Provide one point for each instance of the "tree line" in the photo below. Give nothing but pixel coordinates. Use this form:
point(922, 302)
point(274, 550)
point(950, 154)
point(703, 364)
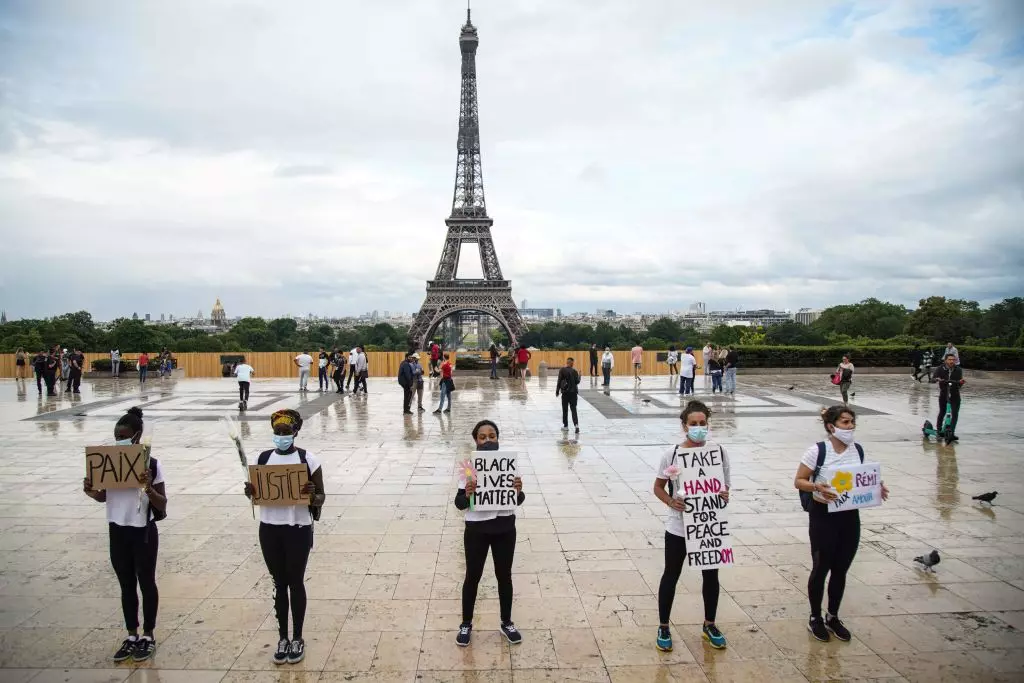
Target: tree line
point(871, 322)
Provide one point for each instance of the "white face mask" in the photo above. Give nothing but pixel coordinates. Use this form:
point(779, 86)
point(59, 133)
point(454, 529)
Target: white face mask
point(844, 435)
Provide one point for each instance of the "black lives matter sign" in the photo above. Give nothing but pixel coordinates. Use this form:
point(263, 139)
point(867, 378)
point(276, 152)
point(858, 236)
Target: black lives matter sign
point(495, 474)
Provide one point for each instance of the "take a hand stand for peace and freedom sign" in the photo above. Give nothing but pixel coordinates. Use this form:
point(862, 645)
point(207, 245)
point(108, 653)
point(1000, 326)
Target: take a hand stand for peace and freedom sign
point(286, 534)
point(494, 530)
point(695, 425)
point(835, 536)
point(132, 514)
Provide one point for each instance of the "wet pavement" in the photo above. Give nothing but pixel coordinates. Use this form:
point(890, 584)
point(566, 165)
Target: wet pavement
point(385, 575)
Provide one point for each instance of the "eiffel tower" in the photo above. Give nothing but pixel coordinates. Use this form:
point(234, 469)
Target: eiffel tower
point(446, 294)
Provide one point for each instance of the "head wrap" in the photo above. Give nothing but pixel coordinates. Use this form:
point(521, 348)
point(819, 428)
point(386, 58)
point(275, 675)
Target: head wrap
point(288, 416)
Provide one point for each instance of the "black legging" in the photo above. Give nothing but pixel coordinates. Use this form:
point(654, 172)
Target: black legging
point(351, 375)
point(243, 391)
point(675, 558)
point(569, 401)
point(834, 540)
point(503, 550)
point(133, 555)
point(322, 378)
point(339, 379)
point(286, 551)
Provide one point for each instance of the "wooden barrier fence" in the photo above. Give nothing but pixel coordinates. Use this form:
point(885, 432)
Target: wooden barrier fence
point(382, 363)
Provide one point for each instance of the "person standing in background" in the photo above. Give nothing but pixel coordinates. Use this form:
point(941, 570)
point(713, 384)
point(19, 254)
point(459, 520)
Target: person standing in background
point(568, 387)
point(523, 357)
point(435, 358)
point(362, 370)
point(339, 364)
point(446, 386)
point(39, 366)
point(322, 361)
point(75, 362)
point(637, 356)
point(353, 356)
point(493, 353)
point(607, 365)
point(706, 354)
point(143, 367)
point(593, 360)
point(20, 363)
point(673, 363)
point(687, 373)
point(303, 362)
point(732, 361)
point(115, 363)
point(417, 371)
point(407, 380)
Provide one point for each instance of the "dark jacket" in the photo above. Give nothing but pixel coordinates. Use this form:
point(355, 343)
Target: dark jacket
point(568, 381)
point(406, 376)
point(732, 359)
point(949, 380)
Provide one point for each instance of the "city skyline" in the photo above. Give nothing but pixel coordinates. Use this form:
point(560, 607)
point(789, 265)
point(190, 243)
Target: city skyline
point(812, 154)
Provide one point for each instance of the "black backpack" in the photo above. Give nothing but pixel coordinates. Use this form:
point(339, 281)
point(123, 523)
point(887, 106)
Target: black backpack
point(314, 510)
point(806, 497)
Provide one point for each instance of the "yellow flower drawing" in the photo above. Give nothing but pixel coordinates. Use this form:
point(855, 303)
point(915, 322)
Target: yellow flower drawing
point(842, 482)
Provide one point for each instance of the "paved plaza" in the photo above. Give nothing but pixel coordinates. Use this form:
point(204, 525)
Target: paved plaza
point(385, 575)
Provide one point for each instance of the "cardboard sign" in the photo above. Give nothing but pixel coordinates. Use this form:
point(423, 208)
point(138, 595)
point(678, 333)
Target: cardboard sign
point(701, 472)
point(708, 541)
point(494, 472)
point(858, 486)
point(115, 467)
point(279, 484)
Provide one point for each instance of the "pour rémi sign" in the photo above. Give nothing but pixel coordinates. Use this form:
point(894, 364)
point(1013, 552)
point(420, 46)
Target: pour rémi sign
point(701, 479)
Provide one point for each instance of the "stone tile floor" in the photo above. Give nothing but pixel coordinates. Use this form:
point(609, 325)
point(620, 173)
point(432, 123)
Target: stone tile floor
point(385, 575)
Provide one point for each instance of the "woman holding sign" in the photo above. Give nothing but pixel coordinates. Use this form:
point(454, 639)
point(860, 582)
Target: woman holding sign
point(675, 466)
point(286, 534)
point(134, 541)
point(834, 535)
point(494, 530)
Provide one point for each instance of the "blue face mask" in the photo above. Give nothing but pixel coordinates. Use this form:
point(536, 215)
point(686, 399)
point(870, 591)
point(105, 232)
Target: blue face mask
point(283, 442)
point(123, 442)
point(697, 434)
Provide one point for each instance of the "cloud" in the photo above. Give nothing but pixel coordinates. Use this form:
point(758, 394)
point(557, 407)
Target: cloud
point(740, 153)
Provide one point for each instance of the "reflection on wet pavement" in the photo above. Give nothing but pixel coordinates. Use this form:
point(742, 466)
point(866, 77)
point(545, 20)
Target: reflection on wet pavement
point(385, 576)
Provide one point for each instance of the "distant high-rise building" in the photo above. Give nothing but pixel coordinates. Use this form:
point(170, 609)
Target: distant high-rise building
point(698, 307)
point(162, 318)
point(523, 304)
point(147, 317)
point(135, 316)
point(3, 317)
point(806, 316)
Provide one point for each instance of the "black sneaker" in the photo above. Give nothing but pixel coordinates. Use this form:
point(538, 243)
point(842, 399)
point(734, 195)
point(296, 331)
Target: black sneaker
point(513, 636)
point(297, 652)
point(817, 628)
point(465, 634)
point(127, 648)
point(283, 648)
point(833, 624)
point(144, 648)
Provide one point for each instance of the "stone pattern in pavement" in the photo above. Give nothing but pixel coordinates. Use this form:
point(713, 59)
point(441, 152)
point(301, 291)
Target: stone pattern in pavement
point(385, 575)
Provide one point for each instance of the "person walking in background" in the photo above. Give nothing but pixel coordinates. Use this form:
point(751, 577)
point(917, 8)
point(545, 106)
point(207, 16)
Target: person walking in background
point(916, 358)
point(593, 360)
point(493, 531)
point(688, 371)
point(523, 357)
point(732, 361)
point(713, 366)
point(353, 356)
point(568, 387)
point(417, 371)
point(322, 361)
point(447, 385)
point(951, 351)
point(435, 358)
point(339, 364)
point(512, 367)
point(39, 367)
point(303, 362)
point(115, 363)
point(243, 372)
point(493, 353)
point(65, 368)
point(20, 363)
point(706, 354)
point(834, 536)
point(407, 380)
point(845, 370)
point(143, 367)
point(950, 378)
point(637, 356)
point(362, 370)
point(673, 363)
point(50, 373)
point(607, 365)
point(75, 362)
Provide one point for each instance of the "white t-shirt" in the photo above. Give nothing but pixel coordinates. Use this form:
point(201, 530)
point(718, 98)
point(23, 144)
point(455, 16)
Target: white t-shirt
point(673, 357)
point(115, 355)
point(674, 521)
point(244, 372)
point(361, 364)
point(289, 515)
point(123, 504)
point(832, 459)
point(304, 360)
point(689, 363)
point(352, 356)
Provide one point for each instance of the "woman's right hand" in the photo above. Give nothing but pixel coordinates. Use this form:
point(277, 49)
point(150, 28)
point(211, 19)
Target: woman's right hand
point(87, 487)
point(470, 487)
point(825, 491)
point(249, 490)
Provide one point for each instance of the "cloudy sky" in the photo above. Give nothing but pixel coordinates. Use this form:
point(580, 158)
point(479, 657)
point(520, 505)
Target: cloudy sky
point(299, 157)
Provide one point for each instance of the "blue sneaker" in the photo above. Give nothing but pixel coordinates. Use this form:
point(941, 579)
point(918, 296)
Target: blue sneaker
point(714, 636)
point(664, 639)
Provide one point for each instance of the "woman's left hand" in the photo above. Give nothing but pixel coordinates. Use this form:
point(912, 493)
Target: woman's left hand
point(885, 492)
point(724, 495)
point(308, 489)
point(144, 479)
point(517, 484)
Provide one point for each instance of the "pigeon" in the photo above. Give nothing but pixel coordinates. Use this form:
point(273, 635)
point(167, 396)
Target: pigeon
point(986, 497)
point(928, 561)
point(791, 388)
